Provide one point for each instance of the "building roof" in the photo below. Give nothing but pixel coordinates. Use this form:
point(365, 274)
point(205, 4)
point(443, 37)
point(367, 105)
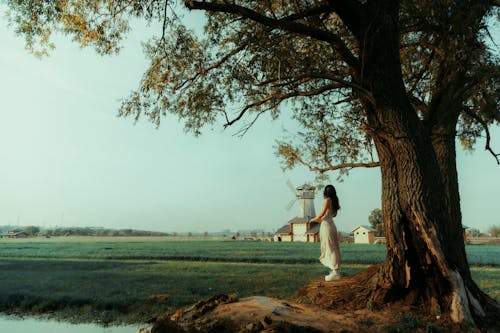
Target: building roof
point(314, 229)
point(367, 228)
point(297, 219)
point(13, 233)
point(284, 230)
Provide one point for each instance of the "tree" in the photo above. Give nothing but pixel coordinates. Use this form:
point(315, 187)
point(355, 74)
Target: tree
point(494, 231)
point(473, 232)
point(396, 79)
point(32, 230)
point(377, 222)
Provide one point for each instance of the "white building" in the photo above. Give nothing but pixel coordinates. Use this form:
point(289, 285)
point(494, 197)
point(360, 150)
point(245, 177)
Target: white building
point(299, 229)
point(364, 234)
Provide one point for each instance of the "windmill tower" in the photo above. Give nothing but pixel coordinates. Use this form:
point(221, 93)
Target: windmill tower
point(299, 228)
point(304, 194)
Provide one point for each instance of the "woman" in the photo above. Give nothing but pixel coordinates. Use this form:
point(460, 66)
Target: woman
point(330, 253)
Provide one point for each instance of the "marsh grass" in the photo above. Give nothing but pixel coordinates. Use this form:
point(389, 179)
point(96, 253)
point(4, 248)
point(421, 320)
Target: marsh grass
point(195, 249)
point(163, 248)
point(133, 291)
point(131, 280)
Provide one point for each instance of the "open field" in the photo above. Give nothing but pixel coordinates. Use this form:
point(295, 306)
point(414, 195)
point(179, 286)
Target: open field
point(133, 279)
point(196, 249)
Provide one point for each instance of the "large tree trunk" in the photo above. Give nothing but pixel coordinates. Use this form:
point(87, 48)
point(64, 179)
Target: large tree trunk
point(426, 261)
point(452, 230)
point(419, 266)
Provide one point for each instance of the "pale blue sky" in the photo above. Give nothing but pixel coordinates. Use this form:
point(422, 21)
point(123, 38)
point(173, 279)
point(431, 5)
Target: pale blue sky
point(66, 159)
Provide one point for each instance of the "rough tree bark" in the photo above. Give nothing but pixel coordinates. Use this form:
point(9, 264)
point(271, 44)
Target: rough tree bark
point(426, 262)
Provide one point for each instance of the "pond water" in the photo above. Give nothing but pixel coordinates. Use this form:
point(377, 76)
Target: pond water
point(14, 324)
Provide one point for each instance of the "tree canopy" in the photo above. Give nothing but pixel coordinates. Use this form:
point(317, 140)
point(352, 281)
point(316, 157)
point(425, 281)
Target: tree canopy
point(267, 56)
point(376, 221)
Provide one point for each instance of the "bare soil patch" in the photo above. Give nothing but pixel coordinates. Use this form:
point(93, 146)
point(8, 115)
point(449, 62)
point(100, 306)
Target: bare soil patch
point(224, 314)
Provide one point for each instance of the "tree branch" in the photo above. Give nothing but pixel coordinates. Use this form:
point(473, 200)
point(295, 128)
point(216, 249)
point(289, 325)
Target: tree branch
point(477, 78)
point(356, 87)
point(279, 97)
point(351, 12)
point(284, 24)
point(419, 105)
point(320, 9)
point(486, 129)
point(327, 76)
point(215, 65)
point(245, 129)
point(420, 76)
point(164, 27)
point(331, 167)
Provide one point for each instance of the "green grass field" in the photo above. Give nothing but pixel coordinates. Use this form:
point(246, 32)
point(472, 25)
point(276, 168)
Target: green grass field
point(128, 280)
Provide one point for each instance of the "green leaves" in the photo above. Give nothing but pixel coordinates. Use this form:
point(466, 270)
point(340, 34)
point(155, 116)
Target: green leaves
point(99, 24)
point(272, 56)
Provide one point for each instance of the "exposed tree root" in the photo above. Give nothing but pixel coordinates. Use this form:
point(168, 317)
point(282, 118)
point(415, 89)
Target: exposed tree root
point(369, 290)
point(366, 302)
point(350, 293)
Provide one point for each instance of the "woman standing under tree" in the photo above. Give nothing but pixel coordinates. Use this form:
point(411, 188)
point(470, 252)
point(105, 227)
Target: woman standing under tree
point(330, 253)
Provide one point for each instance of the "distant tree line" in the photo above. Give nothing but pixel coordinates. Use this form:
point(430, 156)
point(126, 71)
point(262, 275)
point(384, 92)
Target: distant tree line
point(494, 230)
point(82, 231)
point(376, 222)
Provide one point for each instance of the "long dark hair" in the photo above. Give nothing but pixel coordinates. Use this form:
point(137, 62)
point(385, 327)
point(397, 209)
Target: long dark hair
point(329, 192)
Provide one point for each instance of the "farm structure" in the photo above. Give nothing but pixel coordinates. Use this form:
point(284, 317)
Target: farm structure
point(14, 234)
point(299, 229)
point(364, 234)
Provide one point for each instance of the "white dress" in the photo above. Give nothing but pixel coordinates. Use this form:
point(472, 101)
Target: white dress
point(330, 253)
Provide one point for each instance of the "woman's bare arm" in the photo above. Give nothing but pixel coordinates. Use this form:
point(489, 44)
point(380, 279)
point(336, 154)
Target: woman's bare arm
point(323, 211)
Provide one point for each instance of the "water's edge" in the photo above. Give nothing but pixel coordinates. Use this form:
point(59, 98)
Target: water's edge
point(26, 324)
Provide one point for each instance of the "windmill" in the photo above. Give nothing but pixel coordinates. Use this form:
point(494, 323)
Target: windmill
point(304, 194)
point(299, 229)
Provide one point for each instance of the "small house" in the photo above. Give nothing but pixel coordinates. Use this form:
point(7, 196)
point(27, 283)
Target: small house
point(312, 235)
point(364, 234)
point(14, 234)
point(304, 231)
point(298, 230)
point(283, 234)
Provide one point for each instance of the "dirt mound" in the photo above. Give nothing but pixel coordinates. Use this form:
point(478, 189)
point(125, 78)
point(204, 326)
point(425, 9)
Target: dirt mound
point(345, 294)
point(224, 314)
point(339, 306)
